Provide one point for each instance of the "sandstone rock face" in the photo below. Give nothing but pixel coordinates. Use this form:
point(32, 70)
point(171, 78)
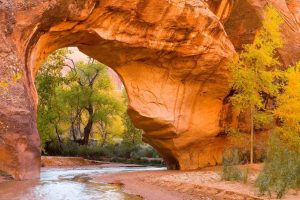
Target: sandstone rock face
point(170, 54)
point(245, 19)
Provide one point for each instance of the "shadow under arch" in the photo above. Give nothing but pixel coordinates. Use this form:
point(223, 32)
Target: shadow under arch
point(119, 58)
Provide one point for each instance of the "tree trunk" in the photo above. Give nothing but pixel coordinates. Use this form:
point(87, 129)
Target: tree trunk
point(252, 138)
point(58, 138)
point(72, 130)
point(89, 126)
point(104, 137)
point(103, 133)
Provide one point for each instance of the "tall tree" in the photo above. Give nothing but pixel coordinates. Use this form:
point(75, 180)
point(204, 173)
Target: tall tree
point(90, 95)
point(253, 77)
point(50, 110)
point(288, 110)
point(73, 97)
point(110, 129)
point(282, 165)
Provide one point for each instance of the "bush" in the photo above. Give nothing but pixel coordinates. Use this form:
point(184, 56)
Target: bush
point(52, 148)
point(144, 151)
point(70, 148)
point(281, 171)
point(121, 152)
point(91, 152)
point(231, 170)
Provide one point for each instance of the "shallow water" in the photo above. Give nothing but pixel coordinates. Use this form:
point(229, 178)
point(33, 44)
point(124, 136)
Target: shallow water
point(68, 184)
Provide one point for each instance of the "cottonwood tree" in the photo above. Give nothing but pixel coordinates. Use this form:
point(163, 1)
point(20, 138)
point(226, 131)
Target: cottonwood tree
point(253, 75)
point(50, 110)
point(89, 93)
point(109, 129)
point(288, 110)
point(73, 97)
point(282, 165)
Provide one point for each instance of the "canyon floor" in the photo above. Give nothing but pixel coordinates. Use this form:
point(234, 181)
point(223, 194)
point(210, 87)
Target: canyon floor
point(202, 184)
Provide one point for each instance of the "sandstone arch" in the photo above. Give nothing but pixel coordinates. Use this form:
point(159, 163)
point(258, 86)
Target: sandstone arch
point(170, 54)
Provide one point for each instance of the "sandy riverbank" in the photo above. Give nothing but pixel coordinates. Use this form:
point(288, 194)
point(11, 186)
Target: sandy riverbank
point(57, 161)
point(192, 185)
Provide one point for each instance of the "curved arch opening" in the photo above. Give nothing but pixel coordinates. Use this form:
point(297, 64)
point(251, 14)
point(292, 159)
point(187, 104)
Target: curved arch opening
point(132, 65)
point(82, 112)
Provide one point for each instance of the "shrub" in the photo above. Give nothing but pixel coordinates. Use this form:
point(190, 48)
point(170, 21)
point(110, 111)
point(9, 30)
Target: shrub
point(281, 171)
point(126, 150)
point(245, 175)
point(120, 152)
point(52, 148)
point(144, 151)
point(70, 148)
point(231, 170)
point(91, 152)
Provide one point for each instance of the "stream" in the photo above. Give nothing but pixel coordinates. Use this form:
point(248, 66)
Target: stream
point(68, 184)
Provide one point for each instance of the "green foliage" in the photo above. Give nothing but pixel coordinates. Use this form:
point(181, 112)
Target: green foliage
point(254, 75)
point(132, 136)
point(49, 107)
point(236, 136)
point(134, 154)
point(145, 151)
point(71, 148)
point(288, 110)
point(90, 152)
point(120, 152)
point(231, 170)
point(282, 169)
point(282, 166)
point(252, 71)
point(81, 97)
point(90, 93)
point(262, 118)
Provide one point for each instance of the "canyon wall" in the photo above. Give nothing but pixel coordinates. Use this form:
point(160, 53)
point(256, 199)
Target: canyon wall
point(170, 54)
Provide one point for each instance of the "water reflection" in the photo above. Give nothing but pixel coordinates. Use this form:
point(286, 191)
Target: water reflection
point(68, 184)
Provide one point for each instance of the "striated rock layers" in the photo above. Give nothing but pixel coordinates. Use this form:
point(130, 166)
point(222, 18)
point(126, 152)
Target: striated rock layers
point(170, 54)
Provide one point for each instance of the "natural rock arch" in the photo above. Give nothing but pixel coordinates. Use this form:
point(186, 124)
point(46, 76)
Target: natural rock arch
point(170, 54)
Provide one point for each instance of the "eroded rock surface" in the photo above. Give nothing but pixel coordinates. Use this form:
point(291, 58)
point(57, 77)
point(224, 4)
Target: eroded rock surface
point(170, 54)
